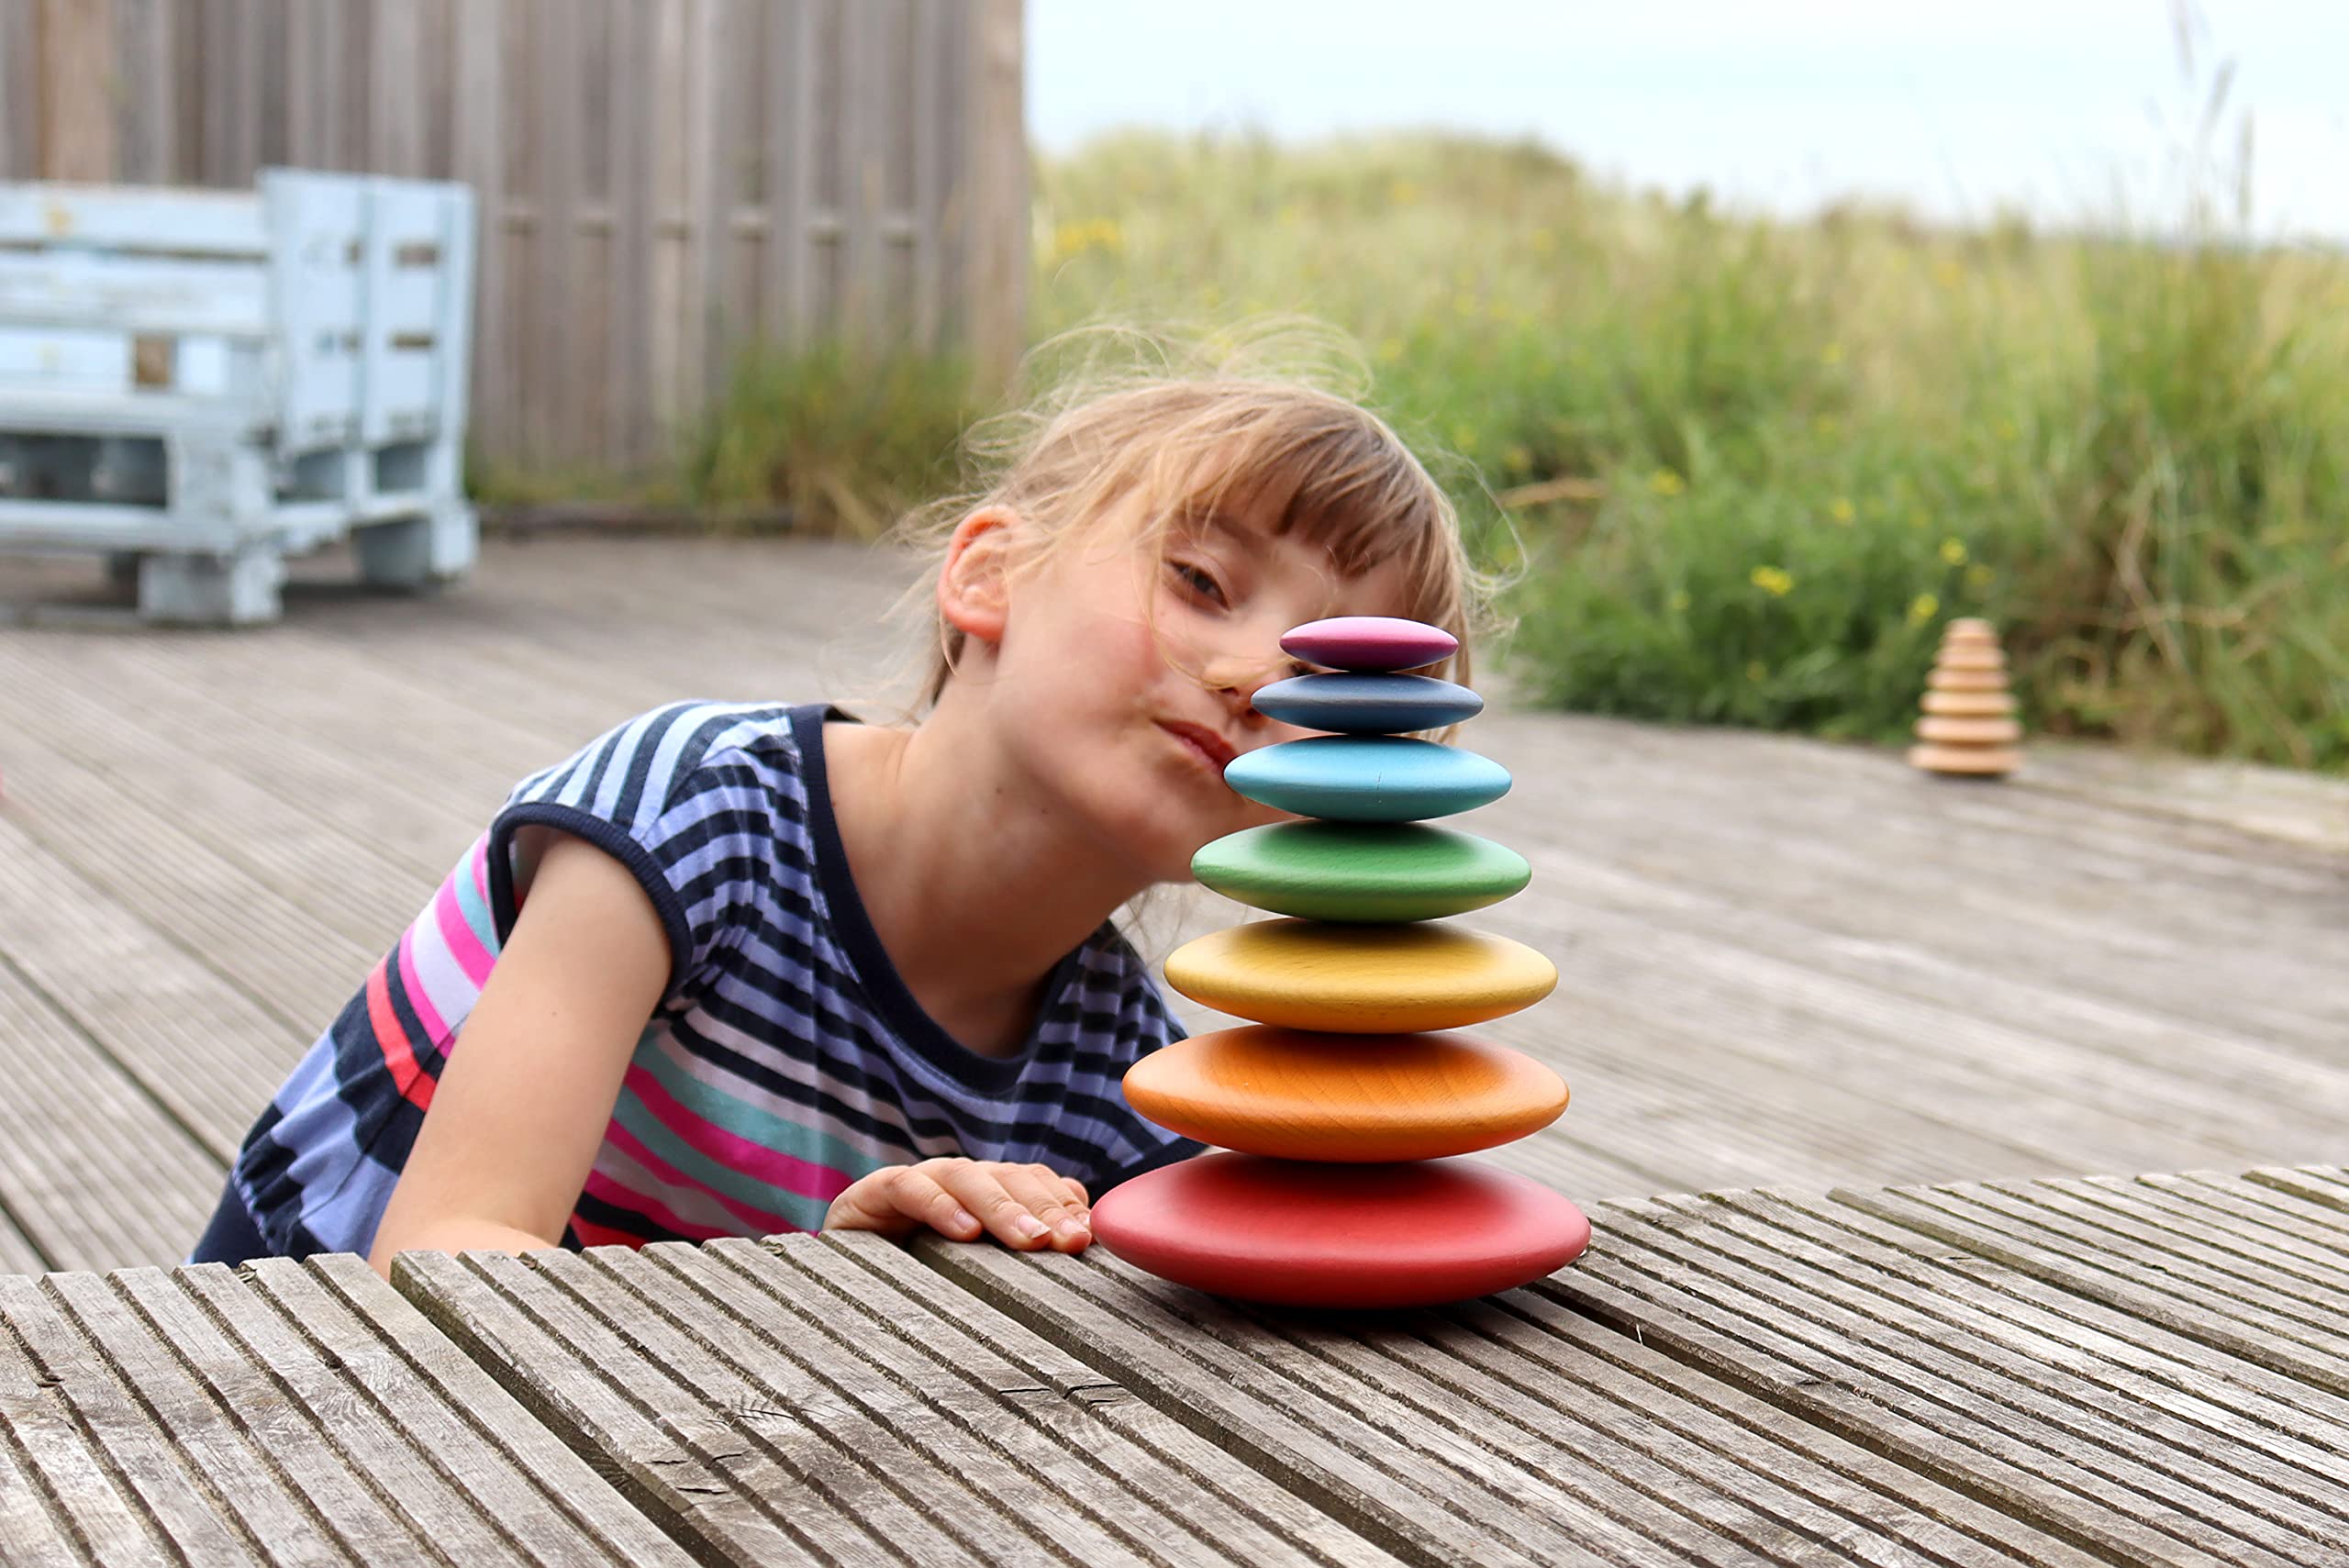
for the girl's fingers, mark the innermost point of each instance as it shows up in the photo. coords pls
(1045, 1192)
(1014, 1204)
(897, 1200)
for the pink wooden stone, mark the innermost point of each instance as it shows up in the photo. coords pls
(1369, 642)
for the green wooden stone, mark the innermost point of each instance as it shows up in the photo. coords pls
(1361, 871)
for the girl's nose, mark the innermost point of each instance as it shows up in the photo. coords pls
(1244, 676)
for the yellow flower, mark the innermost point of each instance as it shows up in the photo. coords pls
(1772, 581)
(1391, 350)
(1402, 192)
(1979, 576)
(1545, 241)
(1923, 608)
(1680, 600)
(1756, 670)
(1954, 552)
(1465, 437)
(1465, 302)
(1826, 425)
(1663, 482)
(1515, 458)
(1948, 273)
(2009, 431)
(1842, 511)
(1832, 355)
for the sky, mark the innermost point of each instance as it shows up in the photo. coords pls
(2071, 111)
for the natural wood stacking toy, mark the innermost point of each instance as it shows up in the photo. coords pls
(1968, 726)
(1344, 1118)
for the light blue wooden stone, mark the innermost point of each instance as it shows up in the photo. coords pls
(1366, 704)
(1367, 778)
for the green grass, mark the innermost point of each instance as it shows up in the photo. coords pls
(1793, 452)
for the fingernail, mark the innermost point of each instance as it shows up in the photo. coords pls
(964, 1219)
(1028, 1226)
(1071, 1229)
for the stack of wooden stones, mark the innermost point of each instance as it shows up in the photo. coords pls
(1337, 1114)
(1968, 728)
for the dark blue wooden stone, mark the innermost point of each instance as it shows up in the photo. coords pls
(1367, 778)
(1360, 704)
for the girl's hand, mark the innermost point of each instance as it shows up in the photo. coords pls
(1023, 1206)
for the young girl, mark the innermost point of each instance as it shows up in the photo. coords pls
(736, 969)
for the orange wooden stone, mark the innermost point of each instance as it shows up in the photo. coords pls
(1350, 1097)
(1970, 705)
(1958, 656)
(1970, 731)
(1985, 761)
(1967, 680)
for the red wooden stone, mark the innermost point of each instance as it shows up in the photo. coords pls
(1304, 1234)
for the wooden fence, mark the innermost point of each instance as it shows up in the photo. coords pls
(661, 182)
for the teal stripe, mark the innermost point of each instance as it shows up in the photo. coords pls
(746, 1120)
(475, 908)
(806, 1213)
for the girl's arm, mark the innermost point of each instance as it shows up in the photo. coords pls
(521, 1106)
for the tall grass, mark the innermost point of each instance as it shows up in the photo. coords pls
(1752, 468)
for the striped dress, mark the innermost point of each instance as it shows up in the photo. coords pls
(786, 1058)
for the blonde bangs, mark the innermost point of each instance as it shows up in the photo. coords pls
(1288, 454)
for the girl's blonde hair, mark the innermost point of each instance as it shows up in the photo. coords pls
(1265, 425)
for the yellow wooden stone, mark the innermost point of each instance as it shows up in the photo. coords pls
(1300, 1095)
(1967, 681)
(1970, 705)
(1986, 761)
(1970, 626)
(1360, 979)
(1964, 658)
(1970, 731)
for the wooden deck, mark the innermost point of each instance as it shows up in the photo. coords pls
(1783, 963)
(1884, 1025)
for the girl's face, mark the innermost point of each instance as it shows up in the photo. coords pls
(1125, 680)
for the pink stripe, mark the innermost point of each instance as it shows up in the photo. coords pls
(775, 1168)
(760, 1220)
(600, 1186)
(434, 1029)
(463, 946)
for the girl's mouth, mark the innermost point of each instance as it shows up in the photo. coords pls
(1209, 749)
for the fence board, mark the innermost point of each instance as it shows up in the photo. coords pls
(803, 168)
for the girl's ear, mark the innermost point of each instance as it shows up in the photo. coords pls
(975, 583)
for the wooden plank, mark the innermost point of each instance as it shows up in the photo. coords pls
(1497, 1431)
(76, 85)
(479, 112)
(789, 1401)
(2235, 1266)
(290, 968)
(96, 1173)
(147, 107)
(790, 145)
(19, 95)
(628, 430)
(934, 49)
(708, 205)
(208, 1051)
(19, 1254)
(398, 91)
(2118, 1436)
(293, 1414)
(996, 183)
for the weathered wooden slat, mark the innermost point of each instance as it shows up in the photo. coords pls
(2201, 1283)
(234, 971)
(296, 1414)
(1498, 1431)
(199, 996)
(93, 1169)
(793, 1401)
(18, 1255)
(2121, 1445)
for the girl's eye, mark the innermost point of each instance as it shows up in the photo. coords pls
(1199, 578)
